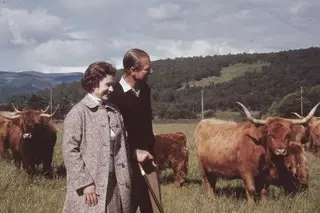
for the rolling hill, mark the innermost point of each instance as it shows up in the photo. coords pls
(14, 83)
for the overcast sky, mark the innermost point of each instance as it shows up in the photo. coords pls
(68, 35)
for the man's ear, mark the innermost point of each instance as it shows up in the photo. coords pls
(131, 70)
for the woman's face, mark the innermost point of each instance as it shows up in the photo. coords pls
(105, 87)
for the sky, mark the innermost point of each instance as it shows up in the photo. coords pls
(68, 35)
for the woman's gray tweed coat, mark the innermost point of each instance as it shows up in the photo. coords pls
(86, 152)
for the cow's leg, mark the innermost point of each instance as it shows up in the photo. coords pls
(302, 175)
(47, 160)
(47, 169)
(262, 189)
(17, 159)
(250, 187)
(2, 149)
(4, 145)
(179, 173)
(316, 146)
(205, 177)
(28, 166)
(206, 180)
(311, 144)
(210, 183)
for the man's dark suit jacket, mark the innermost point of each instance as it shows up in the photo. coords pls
(137, 116)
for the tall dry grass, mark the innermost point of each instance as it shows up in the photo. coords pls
(22, 194)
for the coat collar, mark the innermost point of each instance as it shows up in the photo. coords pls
(90, 103)
(126, 87)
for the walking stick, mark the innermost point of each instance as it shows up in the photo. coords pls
(143, 173)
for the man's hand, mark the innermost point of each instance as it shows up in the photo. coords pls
(90, 195)
(143, 155)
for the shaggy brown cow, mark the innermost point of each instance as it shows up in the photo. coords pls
(289, 171)
(171, 152)
(251, 151)
(296, 163)
(313, 133)
(32, 139)
(5, 125)
(4, 129)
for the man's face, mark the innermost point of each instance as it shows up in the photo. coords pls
(144, 70)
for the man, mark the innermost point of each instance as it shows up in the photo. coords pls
(132, 96)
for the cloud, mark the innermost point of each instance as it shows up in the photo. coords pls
(29, 27)
(164, 12)
(84, 5)
(68, 35)
(171, 49)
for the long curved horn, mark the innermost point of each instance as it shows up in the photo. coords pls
(249, 116)
(46, 109)
(296, 114)
(50, 115)
(9, 117)
(307, 118)
(15, 108)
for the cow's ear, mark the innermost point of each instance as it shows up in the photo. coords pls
(45, 120)
(294, 147)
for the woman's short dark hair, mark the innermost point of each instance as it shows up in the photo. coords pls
(131, 58)
(95, 73)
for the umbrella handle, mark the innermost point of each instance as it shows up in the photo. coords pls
(143, 173)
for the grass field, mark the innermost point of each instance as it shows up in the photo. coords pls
(229, 73)
(20, 193)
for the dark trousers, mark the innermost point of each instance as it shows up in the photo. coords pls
(140, 193)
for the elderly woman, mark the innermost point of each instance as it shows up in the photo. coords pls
(94, 149)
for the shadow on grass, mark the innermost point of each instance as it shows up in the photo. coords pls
(168, 179)
(237, 192)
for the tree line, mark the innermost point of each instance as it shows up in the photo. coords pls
(275, 89)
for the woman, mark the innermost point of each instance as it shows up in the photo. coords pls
(94, 149)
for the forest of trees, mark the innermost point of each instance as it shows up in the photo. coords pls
(273, 90)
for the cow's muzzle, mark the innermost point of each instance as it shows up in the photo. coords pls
(280, 151)
(27, 136)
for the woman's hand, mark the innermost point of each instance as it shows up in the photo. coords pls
(90, 195)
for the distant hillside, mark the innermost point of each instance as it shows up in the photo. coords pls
(14, 83)
(292, 103)
(257, 80)
(227, 74)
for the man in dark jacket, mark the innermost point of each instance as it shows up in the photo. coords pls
(132, 96)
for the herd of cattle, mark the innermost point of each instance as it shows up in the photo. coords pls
(260, 152)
